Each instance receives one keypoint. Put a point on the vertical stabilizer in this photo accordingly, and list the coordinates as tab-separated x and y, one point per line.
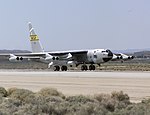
35	42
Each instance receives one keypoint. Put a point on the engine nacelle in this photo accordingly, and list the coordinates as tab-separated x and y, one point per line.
131	57
15	59
117	57
126	57
54	58
48	57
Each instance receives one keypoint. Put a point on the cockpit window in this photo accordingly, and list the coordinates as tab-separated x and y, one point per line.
108	51
103	51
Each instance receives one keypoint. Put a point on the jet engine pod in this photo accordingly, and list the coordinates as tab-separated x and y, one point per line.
55	58
121	57
49	57
132	57
15	59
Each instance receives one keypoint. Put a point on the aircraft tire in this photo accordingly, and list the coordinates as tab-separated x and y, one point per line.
91	67
56	68
64	68
84	68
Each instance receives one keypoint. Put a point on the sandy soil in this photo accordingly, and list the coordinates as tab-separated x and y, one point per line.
135	84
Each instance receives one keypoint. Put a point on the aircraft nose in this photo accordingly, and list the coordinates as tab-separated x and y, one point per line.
110	54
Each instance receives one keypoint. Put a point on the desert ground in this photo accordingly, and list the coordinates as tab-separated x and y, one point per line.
135	84
131	77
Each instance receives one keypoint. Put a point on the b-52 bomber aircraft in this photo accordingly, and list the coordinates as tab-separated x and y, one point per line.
61	60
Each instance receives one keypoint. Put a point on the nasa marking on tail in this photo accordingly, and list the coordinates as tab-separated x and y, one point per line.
35	42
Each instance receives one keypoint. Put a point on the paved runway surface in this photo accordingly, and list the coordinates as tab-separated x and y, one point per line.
135	84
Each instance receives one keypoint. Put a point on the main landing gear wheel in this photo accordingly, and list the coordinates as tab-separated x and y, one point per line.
92	67
56	68
64	68
84	68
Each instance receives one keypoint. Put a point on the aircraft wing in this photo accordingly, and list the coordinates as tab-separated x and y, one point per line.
25	55
77	55
121	56
17	57
63	54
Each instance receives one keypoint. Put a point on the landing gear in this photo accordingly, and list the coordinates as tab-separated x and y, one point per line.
64	68
56	68
84	68
91	67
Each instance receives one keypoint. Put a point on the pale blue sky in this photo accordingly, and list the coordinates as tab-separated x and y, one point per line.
76	24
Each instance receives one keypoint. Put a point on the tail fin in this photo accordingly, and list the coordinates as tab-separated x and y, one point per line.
35	43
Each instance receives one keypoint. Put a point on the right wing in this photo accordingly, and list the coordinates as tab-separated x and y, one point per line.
122	57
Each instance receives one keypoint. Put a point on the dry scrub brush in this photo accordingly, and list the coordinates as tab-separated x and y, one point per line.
49	101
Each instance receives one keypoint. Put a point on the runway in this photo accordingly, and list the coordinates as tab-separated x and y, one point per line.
135	84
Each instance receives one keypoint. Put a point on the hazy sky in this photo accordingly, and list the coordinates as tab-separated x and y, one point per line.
76	24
